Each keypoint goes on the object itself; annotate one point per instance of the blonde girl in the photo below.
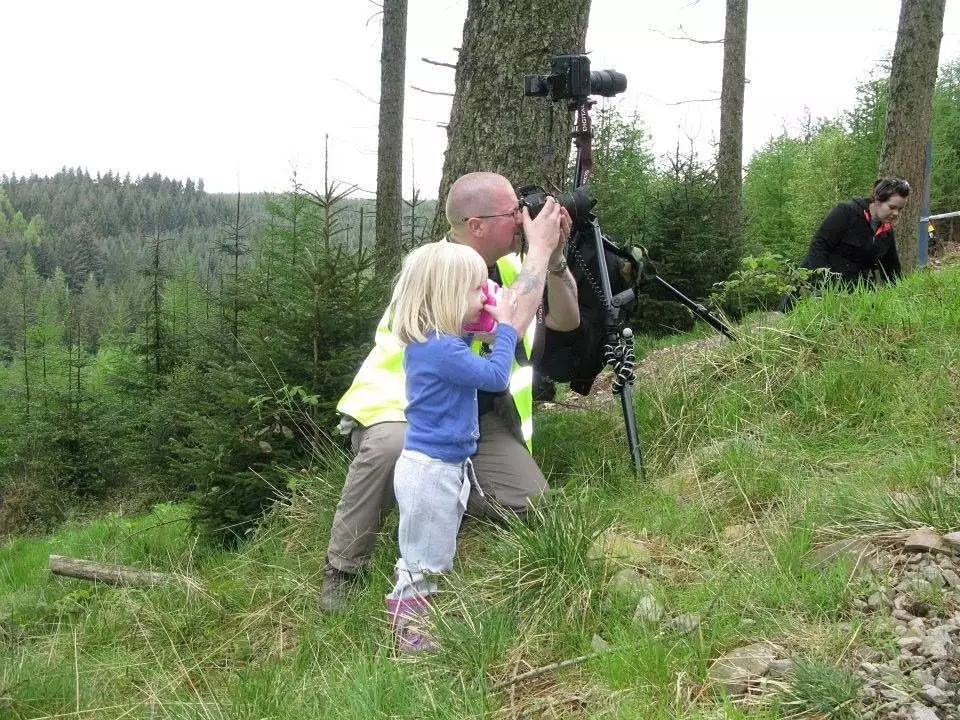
(439, 290)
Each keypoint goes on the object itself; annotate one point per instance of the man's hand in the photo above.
(565, 226)
(543, 232)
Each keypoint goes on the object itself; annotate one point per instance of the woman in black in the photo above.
(856, 237)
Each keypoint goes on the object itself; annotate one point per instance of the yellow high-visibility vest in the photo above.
(378, 392)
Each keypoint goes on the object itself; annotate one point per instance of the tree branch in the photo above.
(431, 92)
(687, 37)
(437, 62)
(684, 102)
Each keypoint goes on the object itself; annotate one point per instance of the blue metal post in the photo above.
(923, 237)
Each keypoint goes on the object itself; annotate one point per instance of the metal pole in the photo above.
(923, 236)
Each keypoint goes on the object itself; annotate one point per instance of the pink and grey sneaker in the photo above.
(409, 619)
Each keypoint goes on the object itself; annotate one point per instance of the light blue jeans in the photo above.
(432, 497)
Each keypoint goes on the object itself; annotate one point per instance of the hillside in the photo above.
(770, 567)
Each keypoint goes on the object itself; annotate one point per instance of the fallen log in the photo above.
(105, 572)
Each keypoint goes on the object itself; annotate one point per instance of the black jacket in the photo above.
(846, 244)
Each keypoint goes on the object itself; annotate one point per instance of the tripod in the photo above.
(619, 347)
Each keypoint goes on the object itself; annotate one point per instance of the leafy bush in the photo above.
(759, 284)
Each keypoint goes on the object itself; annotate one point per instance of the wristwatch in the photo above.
(560, 269)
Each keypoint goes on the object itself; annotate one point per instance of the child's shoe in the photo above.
(409, 619)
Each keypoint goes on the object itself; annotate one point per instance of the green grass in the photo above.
(838, 419)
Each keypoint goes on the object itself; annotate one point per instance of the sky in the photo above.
(244, 94)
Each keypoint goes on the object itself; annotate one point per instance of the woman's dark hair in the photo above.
(885, 187)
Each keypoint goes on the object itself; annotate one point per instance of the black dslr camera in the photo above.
(570, 79)
(577, 202)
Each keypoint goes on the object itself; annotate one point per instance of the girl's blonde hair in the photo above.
(432, 290)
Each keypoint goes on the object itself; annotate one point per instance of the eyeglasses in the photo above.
(485, 217)
(891, 185)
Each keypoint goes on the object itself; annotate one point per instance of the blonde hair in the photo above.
(432, 290)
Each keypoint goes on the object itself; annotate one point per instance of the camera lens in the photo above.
(607, 83)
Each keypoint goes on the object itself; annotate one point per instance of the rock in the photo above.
(922, 712)
(951, 578)
(924, 540)
(686, 623)
(649, 611)
(876, 601)
(780, 669)
(933, 575)
(628, 584)
(934, 694)
(858, 553)
(952, 539)
(738, 667)
(911, 642)
(620, 548)
(598, 643)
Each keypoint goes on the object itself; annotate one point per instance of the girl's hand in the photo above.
(504, 311)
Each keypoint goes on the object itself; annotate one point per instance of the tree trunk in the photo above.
(103, 572)
(493, 127)
(912, 78)
(393, 56)
(730, 153)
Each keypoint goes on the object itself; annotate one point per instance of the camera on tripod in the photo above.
(570, 79)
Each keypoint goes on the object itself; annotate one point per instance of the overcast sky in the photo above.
(241, 94)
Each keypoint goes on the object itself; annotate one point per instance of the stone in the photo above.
(780, 669)
(951, 578)
(933, 575)
(738, 667)
(685, 623)
(924, 540)
(648, 611)
(922, 712)
(628, 584)
(952, 539)
(876, 601)
(620, 548)
(599, 644)
(857, 552)
(934, 694)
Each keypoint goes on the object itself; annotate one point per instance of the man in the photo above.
(484, 213)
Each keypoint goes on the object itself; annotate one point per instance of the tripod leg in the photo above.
(633, 443)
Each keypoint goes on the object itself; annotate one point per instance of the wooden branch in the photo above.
(684, 102)
(437, 62)
(104, 572)
(545, 669)
(430, 92)
(687, 37)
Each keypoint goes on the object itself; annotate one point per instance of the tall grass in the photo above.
(839, 418)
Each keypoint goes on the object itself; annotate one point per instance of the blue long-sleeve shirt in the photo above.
(443, 375)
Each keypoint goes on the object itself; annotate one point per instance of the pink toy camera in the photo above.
(485, 322)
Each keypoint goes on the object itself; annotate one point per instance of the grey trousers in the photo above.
(431, 497)
(506, 472)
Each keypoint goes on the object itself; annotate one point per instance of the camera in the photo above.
(577, 202)
(570, 78)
